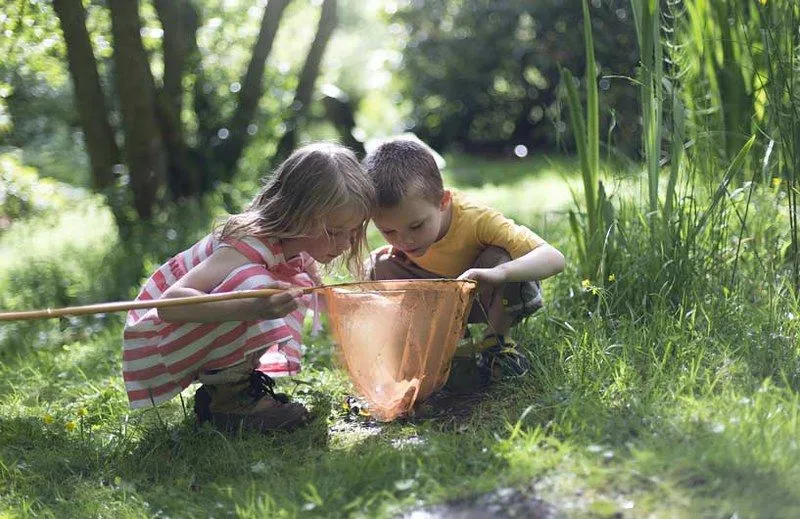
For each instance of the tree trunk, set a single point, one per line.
(91, 103)
(179, 21)
(308, 76)
(340, 112)
(230, 149)
(144, 147)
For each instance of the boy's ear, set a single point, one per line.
(447, 197)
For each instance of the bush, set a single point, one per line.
(483, 75)
(24, 194)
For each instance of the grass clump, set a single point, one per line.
(668, 388)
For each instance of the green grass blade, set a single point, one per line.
(735, 165)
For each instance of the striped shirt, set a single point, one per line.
(160, 359)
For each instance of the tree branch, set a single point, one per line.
(144, 147)
(91, 102)
(308, 76)
(230, 149)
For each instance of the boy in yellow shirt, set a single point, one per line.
(438, 233)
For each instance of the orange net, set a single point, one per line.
(397, 338)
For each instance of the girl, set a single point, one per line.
(314, 208)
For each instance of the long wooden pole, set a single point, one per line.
(124, 306)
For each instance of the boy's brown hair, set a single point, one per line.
(400, 167)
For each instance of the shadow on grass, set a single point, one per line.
(165, 464)
(720, 474)
(150, 464)
(149, 467)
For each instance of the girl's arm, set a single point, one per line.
(209, 274)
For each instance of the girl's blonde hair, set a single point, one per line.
(315, 181)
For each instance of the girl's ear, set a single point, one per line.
(447, 197)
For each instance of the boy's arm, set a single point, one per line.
(540, 263)
(533, 258)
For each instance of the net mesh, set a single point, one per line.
(396, 339)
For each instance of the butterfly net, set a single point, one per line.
(396, 339)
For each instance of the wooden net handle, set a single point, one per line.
(124, 306)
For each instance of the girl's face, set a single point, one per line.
(330, 241)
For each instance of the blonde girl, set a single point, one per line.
(313, 209)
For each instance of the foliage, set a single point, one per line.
(778, 48)
(593, 237)
(191, 113)
(646, 15)
(24, 194)
(656, 405)
(665, 381)
(483, 75)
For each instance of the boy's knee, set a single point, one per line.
(383, 264)
(520, 299)
(491, 257)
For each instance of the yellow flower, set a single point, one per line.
(776, 181)
(82, 412)
(586, 283)
(70, 426)
(612, 278)
(763, 2)
(48, 418)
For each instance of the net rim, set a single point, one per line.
(392, 285)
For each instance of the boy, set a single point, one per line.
(438, 233)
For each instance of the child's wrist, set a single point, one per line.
(502, 272)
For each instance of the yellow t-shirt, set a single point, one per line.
(473, 228)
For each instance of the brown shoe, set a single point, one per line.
(249, 405)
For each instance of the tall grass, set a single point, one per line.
(779, 83)
(646, 16)
(717, 74)
(591, 235)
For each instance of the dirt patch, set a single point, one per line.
(448, 407)
(445, 407)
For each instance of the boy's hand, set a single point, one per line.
(493, 276)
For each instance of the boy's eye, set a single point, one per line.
(388, 232)
(416, 226)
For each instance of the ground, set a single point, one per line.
(671, 408)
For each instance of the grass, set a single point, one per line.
(684, 405)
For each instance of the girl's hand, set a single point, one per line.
(493, 276)
(278, 305)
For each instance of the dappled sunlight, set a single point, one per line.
(664, 367)
(87, 227)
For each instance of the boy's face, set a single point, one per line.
(415, 223)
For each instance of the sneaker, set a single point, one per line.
(251, 405)
(501, 356)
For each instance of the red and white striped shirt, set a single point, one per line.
(160, 359)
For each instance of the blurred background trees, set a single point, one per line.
(153, 93)
(483, 75)
(151, 101)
